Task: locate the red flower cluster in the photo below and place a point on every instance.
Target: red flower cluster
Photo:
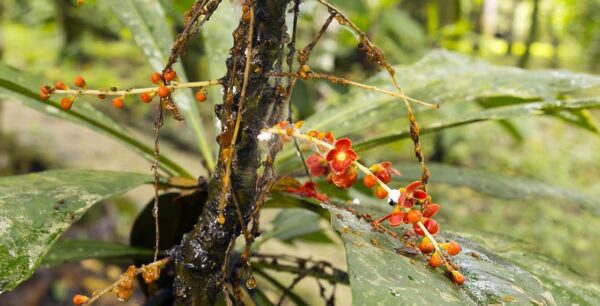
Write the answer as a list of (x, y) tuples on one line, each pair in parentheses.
[(341, 159), (317, 165)]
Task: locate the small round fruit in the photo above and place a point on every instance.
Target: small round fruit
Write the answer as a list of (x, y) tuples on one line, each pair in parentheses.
[(46, 89), (431, 226), (396, 219), (79, 81), (370, 181), (170, 75), (60, 85), (146, 97), (418, 230), (426, 246), (413, 216), (380, 192), (452, 248), (79, 299), (155, 77), (44, 96), (458, 278), (435, 260), (384, 176), (66, 103), (201, 95), (163, 91), (118, 102)]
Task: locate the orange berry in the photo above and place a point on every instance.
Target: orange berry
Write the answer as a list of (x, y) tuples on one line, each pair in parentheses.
[(170, 75), (163, 91), (79, 299), (370, 181), (146, 97), (413, 216), (458, 278), (155, 77), (118, 102), (79, 2), (380, 192), (46, 89), (60, 85), (66, 103), (44, 96), (396, 218), (426, 246), (452, 248), (201, 95), (79, 81), (313, 133), (435, 260)]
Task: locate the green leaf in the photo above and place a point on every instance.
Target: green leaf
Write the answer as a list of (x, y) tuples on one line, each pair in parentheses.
[(498, 185), (499, 113), (147, 22), (36, 209), (24, 88), (74, 250), (567, 287), (379, 272), (294, 223)]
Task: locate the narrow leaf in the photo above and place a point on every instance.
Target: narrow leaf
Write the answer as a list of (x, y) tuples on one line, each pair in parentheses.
[(75, 250)]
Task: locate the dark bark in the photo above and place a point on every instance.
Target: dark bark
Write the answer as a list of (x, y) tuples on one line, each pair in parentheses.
[(200, 257)]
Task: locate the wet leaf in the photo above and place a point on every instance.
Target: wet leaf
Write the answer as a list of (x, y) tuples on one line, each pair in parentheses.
[(147, 22), (36, 209), (380, 274), (74, 250), (17, 86)]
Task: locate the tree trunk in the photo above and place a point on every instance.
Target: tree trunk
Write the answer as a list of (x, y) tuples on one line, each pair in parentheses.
[(200, 257), (524, 60)]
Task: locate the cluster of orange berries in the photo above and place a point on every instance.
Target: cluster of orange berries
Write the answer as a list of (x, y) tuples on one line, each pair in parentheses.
[(123, 289), (162, 90)]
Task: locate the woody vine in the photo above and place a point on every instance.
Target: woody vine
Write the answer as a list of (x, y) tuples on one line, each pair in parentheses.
[(256, 109)]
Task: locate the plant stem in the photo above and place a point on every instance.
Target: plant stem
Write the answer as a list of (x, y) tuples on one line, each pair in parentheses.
[(134, 91)]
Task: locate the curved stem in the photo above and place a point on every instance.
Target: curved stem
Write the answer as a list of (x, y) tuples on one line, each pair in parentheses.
[(134, 91)]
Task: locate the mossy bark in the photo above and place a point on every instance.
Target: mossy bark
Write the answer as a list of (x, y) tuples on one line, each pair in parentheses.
[(200, 257)]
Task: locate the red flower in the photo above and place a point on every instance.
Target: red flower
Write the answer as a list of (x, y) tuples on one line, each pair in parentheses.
[(345, 179), (342, 156), (317, 165), (309, 190)]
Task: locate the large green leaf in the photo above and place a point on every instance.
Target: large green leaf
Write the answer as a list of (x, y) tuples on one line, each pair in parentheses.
[(22, 87), (147, 22), (500, 113), (74, 250), (446, 78), (36, 209), (382, 274), (499, 185)]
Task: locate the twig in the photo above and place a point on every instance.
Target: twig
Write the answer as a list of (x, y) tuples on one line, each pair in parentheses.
[(134, 91)]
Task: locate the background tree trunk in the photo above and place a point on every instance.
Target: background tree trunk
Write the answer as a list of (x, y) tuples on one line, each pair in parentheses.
[(200, 257)]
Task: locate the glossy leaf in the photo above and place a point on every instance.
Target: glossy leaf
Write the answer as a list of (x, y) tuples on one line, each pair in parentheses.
[(74, 250), (36, 209), (295, 223), (380, 269), (17, 86), (147, 22)]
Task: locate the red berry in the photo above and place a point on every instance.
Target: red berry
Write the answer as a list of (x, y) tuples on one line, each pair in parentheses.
[(426, 246), (66, 103), (431, 211), (60, 85), (418, 230), (396, 218), (380, 192), (46, 89), (431, 226), (345, 179), (79, 81), (80, 299), (370, 181), (201, 95), (44, 96), (146, 97), (170, 75), (118, 102), (435, 260), (384, 176), (163, 91), (413, 216), (458, 278), (155, 77)]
